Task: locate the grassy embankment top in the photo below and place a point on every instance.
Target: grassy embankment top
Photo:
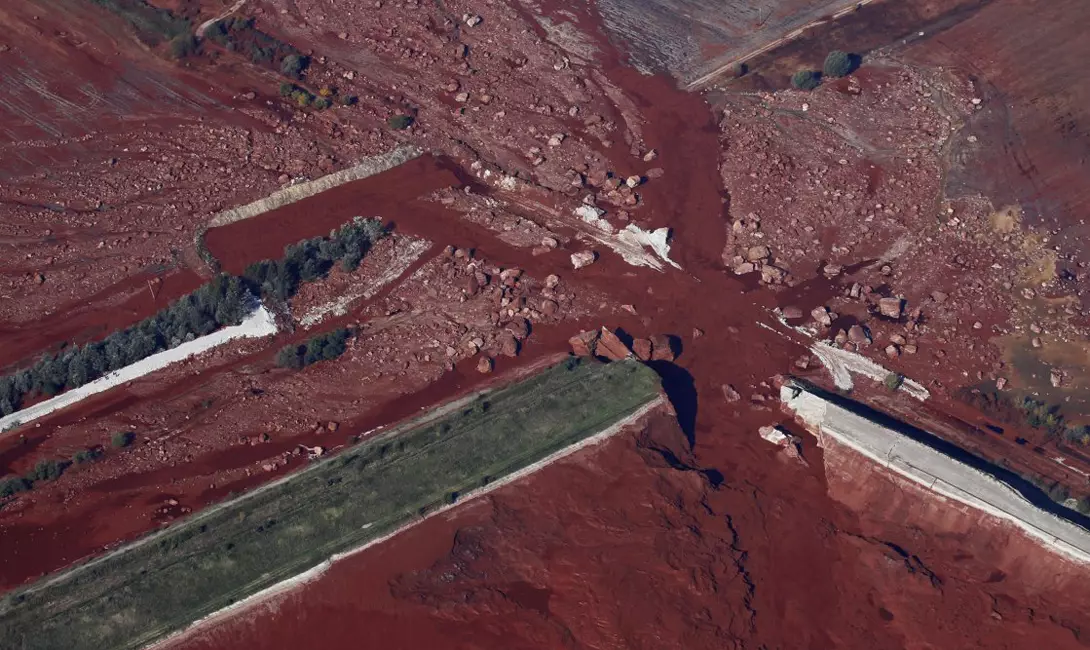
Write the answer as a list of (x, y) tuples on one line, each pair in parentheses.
[(142, 593)]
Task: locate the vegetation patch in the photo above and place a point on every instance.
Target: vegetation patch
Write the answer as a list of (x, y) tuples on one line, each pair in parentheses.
[(152, 24), (223, 301), (400, 122), (242, 36), (139, 594), (806, 79), (840, 64), (321, 347), (311, 259)]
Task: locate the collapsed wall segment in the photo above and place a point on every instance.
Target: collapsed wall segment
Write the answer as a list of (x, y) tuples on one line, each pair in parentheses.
[(935, 470)]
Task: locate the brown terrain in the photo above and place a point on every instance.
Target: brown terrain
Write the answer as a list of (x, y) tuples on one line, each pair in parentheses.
[(925, 211)]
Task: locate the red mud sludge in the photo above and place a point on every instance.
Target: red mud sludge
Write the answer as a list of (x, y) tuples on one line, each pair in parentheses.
[(921, 212)]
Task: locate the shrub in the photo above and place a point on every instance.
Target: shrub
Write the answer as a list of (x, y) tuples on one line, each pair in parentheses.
[(290, 356), (322, 103), (286, 89), (350, 100), (1078, 435), (123, 439), (46, 470), (325, 91), (839, 64), (184, 45), (302, 98), (13, 485), (88, 455), (893, 380), (400, 122), (806, 79), (1083, 505), (322, 347), (293, 65)]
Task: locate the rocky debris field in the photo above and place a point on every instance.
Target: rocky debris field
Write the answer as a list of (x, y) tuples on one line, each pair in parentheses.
[(835, 211)]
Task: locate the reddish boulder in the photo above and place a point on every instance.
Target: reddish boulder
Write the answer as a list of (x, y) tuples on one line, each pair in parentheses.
[(858, 334), (611, 347), (891, 307), (662, 349), (584, 343), (509, 345), (519, 327), (471, 286), (642, 349), (484, 366)]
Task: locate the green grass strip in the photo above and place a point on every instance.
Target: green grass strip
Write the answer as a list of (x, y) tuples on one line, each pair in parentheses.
[(141, 593)]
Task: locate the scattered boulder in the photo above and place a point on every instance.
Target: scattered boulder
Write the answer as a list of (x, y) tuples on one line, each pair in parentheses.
[(859, 335), (744, 268), (891, 307), (584, 343), (892, 351), (832, 270), (552, 281), (822, 315), (642, 349), (519, 327), (610, 346), (583, 258), (633, 181), (757, 253), (509, 345), (730, 394), (772, 274), (549, 307), (774, 435), (484, 366), (472, 286), (472, 19), (791, 312), (556, 140)]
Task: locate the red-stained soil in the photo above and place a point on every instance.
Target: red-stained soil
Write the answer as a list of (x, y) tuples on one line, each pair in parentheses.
[(688, 533)]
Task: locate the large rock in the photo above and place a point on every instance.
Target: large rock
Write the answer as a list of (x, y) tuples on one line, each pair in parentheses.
[(484, 366), (891, 307), (662, 348), (757, 253), (822, 316), (772, 274), (509, 345), (583, 343), (642, 349), (858, 334), (792, 312), (611, 347), (519, 327), (583, 258)]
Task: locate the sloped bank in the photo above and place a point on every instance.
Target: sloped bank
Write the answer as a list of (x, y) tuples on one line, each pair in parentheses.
[(953, 474), (158, 585)]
